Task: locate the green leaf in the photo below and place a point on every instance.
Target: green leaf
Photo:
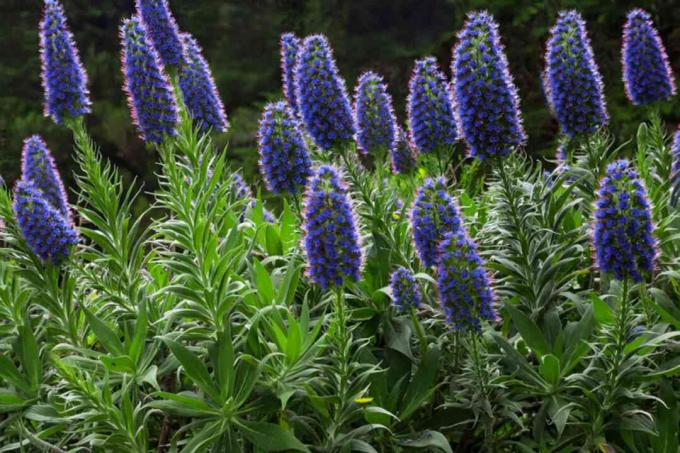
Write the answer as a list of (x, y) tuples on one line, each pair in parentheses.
[(10, 401), (118, 364), (106, 336), (550, 369), (194, 368), (141, 328), (422, 385), (263, 282), (528, 330), (270, 437), (603, 312), (427, 439), (28, 351)]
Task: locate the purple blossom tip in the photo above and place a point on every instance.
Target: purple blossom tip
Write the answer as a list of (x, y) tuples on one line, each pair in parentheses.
[(38, 167), (289, 48), (430, 107), (647, 75), (405, 289), (48, 234), (284, 158), (198, 87), (403, 155), (573, 82), (434, 214), (321, 95), (150, 96), (162, 28), (375, 122), (623, 232), (330, 234), (63, 77), (465, 292), (486, 97)]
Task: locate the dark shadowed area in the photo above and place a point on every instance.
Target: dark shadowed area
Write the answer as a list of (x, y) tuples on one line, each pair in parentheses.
[(240, 40)]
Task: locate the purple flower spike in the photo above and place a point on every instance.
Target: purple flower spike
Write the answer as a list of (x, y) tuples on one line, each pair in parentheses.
[(198, 88), (162, 28), (486, 97), (321, 95), (647, 75), (375, 122), (150, 96), (290, 47), (430, 108), (37, 167), (403, 154), (48, 234), (675, 152), (405, 289), (623, 233), (573, 80), (464, 286), (63, 78), (434, 214), (331, 238), (284, 158)]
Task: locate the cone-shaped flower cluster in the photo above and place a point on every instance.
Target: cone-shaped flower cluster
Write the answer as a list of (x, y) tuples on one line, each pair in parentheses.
[(284, 158), (465, 292), (321, 95), (290, 46), (375, 122), (574, 84), (331, 239), (675, 152), (163, 30), (430, 107), (47, 232), (63, 77), (198, 88), (403, 157), (647, 75), (37, 167), (434, 214), (486, 97), (405, 289), (623, 231), (150, 96)]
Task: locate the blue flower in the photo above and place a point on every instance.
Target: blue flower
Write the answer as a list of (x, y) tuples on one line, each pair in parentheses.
[(430, 107), (675, 152), (573, 81), (289, 47), (38, 168), (375, 122), (623, 237), (647, 76), (403, 156), (434, 214), (63, 77), (321, 95), (405, 289), (464, 286), (47, 232), (150, 96), (284, 158), (163, 31), (331, 238), (198, 88), (486, 97)]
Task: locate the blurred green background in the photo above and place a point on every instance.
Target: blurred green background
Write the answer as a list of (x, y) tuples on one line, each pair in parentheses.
[(240, 40)]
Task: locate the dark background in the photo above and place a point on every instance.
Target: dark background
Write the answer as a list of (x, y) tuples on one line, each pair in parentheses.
[(240, 40)]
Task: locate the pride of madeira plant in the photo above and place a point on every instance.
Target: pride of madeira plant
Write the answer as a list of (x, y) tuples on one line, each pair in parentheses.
[(479, 301)]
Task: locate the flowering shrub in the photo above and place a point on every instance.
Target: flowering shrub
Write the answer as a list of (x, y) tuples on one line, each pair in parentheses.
[(482, 306)]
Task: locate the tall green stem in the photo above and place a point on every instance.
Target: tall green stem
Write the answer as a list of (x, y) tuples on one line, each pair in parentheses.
[(419, 332)]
